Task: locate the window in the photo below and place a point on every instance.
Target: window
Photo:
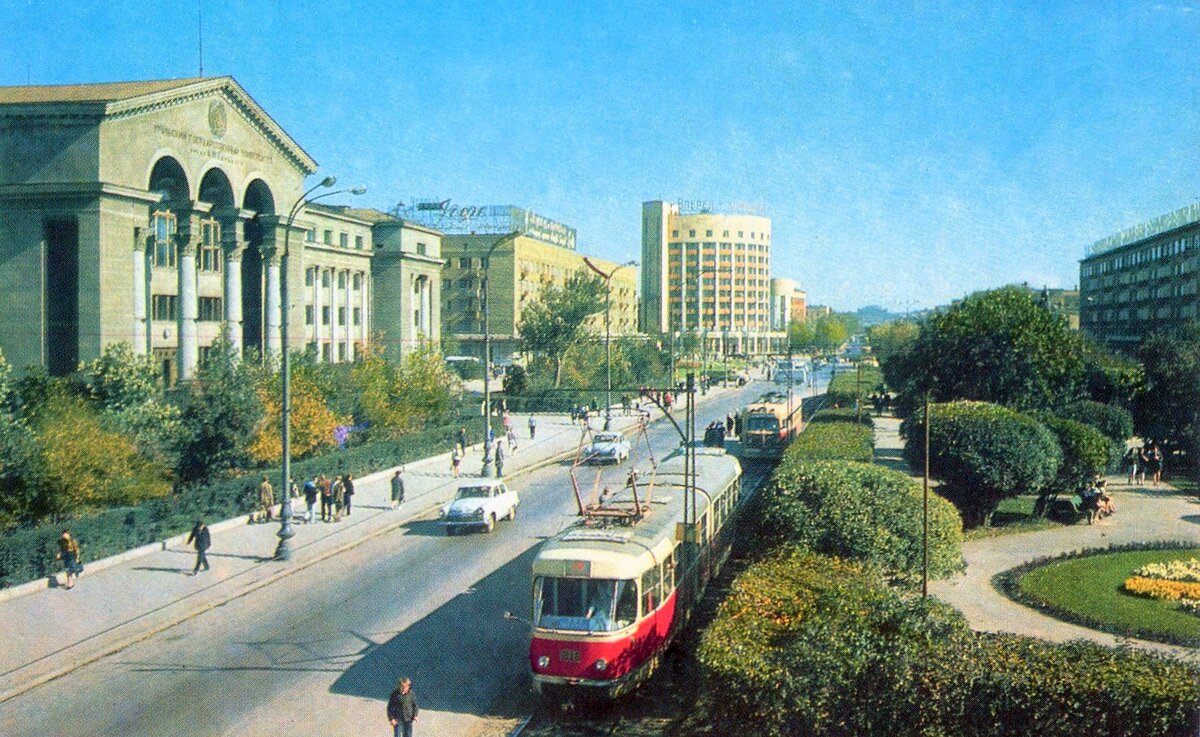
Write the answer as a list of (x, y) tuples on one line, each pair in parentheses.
[(358, 316), (341, 351), (164, 227), (210, 309), (327, 237), (341, 280), (210, 246), (162, 307), (325, 352), (309, 277), (464, 263), (310, 236), (344, 240), (651, 591), (708, 234), (422, 249), (691, 234), (674, 233), (356, 282), (325, 279), (358, 242), (308, 314), (341, 316), (584, 604), (325, 316)]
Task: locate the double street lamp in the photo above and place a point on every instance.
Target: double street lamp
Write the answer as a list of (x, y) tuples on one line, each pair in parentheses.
[(283, 551), (607, 333), (487, 354)]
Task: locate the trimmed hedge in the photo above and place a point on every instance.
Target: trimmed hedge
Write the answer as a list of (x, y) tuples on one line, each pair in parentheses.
[(1086, 452), (860, 511), (816, 646), (28, 553), (982, 453), (843, 415), (846, 386), (1115, 422), (831, 441)]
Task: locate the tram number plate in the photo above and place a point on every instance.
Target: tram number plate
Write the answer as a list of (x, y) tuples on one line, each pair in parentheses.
[(569, 656)]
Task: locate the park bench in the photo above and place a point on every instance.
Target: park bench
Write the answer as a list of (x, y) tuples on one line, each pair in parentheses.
[(1065, 509)]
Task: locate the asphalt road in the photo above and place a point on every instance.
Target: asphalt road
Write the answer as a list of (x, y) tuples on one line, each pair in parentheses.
[(317, 653)]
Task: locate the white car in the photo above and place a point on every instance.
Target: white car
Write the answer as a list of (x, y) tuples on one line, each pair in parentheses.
[(607, 447), (479, 504)]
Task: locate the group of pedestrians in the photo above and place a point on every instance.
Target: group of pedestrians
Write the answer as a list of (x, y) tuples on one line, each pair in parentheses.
[(1147, 459)]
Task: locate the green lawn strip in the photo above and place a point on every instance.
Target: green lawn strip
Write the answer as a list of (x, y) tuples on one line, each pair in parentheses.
[(1014, 515), (1086, 589)]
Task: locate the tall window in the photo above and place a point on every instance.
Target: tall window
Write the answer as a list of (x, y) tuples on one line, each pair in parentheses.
[(343, 240), (162, 307), (164, 227), (341, 280), (358, 242), (210, 245), (210, 309)]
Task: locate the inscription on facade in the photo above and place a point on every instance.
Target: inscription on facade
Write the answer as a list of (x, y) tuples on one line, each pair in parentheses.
[(214, 149)]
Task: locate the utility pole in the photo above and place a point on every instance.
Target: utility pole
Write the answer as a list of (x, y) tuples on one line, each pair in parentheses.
[(925, 513)]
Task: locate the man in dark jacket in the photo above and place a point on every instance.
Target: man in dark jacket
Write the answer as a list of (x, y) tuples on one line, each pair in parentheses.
[(202, 540), (402, 709)]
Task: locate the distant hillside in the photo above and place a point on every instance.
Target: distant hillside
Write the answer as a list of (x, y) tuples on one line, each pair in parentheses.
[(874, 315)]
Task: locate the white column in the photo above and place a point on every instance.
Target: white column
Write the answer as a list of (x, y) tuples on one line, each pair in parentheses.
[(274, 303), (364, 330), (317, 304), (140, 326), (233, 294), (427, 309), (347, 328), (189, 349)]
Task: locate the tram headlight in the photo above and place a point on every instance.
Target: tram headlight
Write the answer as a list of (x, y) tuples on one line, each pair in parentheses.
[(602, 664), (544, 661)]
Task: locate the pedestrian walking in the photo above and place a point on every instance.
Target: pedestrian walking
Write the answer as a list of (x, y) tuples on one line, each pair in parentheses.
[(348, 491), (293, 488), (511, 437), (398, 488), (326, 499), (69, 554), (1144, 457), (462, 437), (1132, 456), (499, 455), (456, 458), (1156, 463), (532, 427), (201, 539), (266, 500), (402, 709), (310, 499), (339, 498)]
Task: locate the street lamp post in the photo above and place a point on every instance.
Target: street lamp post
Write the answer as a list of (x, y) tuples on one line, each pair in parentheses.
[(285, 534), (607, 333), (486, 471)]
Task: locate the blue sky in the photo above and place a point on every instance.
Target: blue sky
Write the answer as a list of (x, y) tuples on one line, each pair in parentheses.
[(906, 153)]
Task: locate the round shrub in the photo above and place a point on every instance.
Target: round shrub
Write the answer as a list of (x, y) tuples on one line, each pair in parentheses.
[(1086, 452), (1115, 422), (831, 441), (982, 453), (863, 512)]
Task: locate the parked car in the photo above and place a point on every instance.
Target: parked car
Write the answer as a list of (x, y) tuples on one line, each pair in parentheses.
[(479, 504), (607, 447)]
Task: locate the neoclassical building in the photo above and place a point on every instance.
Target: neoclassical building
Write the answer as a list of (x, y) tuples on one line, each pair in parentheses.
[(155, 213)]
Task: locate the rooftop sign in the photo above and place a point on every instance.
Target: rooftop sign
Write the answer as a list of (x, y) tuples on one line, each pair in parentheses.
[(454, 219), (1142, 231)]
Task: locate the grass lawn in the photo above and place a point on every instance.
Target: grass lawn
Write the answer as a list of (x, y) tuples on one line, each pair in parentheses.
[(1088, 591), (1012, 516)]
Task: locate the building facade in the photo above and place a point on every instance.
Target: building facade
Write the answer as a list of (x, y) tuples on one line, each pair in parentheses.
[(708, 273), (799, 306), (407, 269), (1143, 279), (337, 262), (148, 213)]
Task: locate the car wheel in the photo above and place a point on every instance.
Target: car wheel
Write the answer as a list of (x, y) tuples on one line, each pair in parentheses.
[(491, 523), (512, 513)]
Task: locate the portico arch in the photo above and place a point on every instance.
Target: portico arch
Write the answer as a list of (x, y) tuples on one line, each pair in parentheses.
[(261, 201)]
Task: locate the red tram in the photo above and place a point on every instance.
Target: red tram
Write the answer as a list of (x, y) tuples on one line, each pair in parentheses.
[(611, 592), (769, 425)]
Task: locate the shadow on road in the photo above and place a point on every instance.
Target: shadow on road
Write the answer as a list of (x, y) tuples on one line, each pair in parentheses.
[(462, 658), (892, 458)]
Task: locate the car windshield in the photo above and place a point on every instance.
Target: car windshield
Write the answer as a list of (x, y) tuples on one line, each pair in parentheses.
[(474, 492), (762, 422), (584, 604), (607, 437)]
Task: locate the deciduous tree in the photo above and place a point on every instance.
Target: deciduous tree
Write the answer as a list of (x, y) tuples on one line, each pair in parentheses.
[(554, 322)]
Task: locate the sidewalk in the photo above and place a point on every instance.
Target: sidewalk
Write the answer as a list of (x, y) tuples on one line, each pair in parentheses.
[(130, 597), (1146, 515)]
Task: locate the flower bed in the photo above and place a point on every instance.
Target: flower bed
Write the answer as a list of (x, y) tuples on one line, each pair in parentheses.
[(1173, 580)]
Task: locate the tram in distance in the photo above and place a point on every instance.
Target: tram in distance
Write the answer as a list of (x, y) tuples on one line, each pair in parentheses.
[(612, 591), (768, 425)]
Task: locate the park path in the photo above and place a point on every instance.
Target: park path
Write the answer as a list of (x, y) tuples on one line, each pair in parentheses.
[(1144, 515)]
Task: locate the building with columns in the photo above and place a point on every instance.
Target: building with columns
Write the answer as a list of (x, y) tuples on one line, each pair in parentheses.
[(337, 260), (708, 272), (149, 213)]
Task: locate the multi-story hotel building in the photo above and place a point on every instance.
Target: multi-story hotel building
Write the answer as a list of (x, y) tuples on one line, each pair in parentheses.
[(534, 253), (1143, 279), (156, 213), (709, 273)]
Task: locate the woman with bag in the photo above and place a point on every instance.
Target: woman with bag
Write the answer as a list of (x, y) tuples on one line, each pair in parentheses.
[(68, 553)]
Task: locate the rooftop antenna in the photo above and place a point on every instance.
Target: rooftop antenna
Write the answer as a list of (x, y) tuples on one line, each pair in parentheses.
[(200, 33)]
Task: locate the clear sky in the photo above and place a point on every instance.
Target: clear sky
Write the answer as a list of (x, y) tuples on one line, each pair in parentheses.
[(906, 153)]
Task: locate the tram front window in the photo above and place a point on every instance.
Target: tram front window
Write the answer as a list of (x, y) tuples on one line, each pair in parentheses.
[(761, 423), (584, 604)]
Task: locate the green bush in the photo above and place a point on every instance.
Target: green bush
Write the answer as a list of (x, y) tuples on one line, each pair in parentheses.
[(814, 646), (843, 415), (863, 512), (830, 441), (847, 386), (28, 553), (982, 453), (1115, 422), (1086, 452)]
